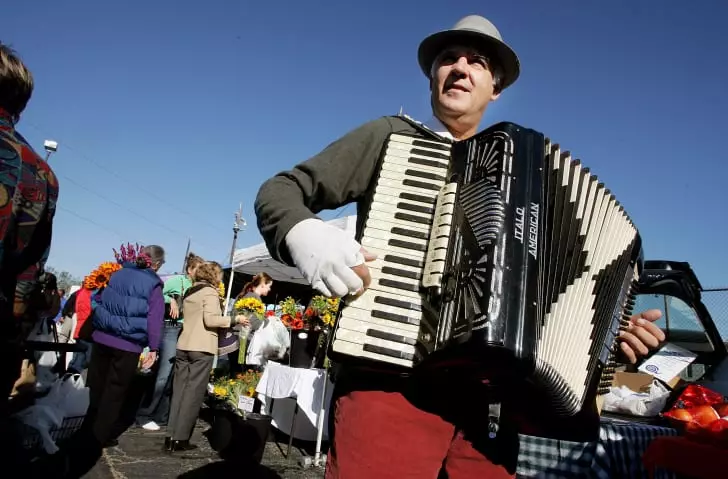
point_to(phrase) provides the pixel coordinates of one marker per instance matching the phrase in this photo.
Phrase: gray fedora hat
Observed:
(478, 32)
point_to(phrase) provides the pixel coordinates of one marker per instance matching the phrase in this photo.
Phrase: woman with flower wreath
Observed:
(229, 343)
(128, 317)
(195, 354)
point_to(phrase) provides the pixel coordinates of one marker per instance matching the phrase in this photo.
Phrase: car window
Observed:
(681, 325)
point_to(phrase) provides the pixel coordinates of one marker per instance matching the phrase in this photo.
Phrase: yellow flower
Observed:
(253, 305)
(251, 391)
(221, 289)
(219, 391)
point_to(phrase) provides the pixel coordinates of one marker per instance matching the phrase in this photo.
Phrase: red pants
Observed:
(383, 435)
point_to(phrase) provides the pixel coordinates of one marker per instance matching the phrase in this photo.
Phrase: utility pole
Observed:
(238, 225)
(187, 253)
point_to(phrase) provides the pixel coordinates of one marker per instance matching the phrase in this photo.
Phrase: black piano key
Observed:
(424, 162)
(397, 303)
(423, 235)
(421, 184)
(370, 348)
(424, 174)
(401, 272)
(406, 195)
(390, 283)
(407, 245)
(413, 218)
(430, 154)
(416, 208)
(405, 261)
(399, 318)
(395, 338)
(432, 146)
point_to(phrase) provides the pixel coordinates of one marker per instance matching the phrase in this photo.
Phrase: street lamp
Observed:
(238, 225)
(50, 147)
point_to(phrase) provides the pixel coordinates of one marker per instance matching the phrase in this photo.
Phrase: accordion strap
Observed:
(422, 128)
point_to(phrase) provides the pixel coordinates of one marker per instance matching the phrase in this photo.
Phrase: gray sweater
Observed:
(342, 173)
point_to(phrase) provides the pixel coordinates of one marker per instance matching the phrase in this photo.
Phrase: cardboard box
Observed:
(639, 382)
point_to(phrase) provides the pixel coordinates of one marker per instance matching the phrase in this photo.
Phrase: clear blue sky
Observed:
(170, 113)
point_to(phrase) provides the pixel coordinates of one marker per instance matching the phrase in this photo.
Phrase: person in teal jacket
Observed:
(154, 411)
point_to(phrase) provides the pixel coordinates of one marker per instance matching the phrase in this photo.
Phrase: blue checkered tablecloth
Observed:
(617, 453)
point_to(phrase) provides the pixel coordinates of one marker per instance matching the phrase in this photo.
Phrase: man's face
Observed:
(462, 83)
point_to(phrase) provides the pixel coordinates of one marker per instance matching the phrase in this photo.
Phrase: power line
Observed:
(126, 208)
(93, 222)
(125, 180)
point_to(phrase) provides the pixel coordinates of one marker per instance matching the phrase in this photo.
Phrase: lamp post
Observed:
(238, 225)
(50, 147)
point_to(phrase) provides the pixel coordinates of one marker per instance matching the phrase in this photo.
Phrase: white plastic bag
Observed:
(42, 419)
(76, 396)
(44, 360)
(624, 400)
(270, 341)
(68, 397)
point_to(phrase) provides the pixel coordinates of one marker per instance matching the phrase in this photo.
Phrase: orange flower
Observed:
(99, 278)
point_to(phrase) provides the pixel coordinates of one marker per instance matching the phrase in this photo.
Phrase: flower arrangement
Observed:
(129, 254)
(324, 309)
(229, 389)
(250, 305)
(221, 290)
(291, 316)
(99, 278)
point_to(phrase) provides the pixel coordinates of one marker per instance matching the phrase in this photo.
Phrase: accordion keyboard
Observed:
(385, 323)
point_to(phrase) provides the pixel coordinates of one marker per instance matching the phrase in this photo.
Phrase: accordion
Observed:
(502, 247)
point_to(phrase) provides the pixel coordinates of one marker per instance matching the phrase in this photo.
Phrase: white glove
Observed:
(324, 255)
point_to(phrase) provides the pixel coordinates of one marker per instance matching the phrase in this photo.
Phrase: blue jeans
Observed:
(156, 407)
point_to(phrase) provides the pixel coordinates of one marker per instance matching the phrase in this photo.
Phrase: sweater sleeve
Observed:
(173, 286)
(212, 312)
(340, 174)
(155, 318)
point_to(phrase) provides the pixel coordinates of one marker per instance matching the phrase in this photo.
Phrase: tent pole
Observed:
(229, 290)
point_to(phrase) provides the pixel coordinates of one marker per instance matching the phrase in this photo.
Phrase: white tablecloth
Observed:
(290, 386)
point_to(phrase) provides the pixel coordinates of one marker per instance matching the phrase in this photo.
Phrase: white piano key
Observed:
(423, 184)
(368, 301)
(377, 224)
(362, 338)
(376, 285)
(426, 151)
(362, 325)
(428, 197)
(390, 217)
(382, 245)
(435, 144)
(379, 263)
(398, 185)
(388, 235)
(402, 163)
(357, 350)
(364, 316)
(395, 208)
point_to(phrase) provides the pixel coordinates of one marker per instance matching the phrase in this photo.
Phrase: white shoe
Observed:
(151, 426)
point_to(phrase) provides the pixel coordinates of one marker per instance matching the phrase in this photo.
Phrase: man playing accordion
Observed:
(389, 424)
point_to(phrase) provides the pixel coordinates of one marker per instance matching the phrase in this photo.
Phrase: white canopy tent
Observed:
(254, 259)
